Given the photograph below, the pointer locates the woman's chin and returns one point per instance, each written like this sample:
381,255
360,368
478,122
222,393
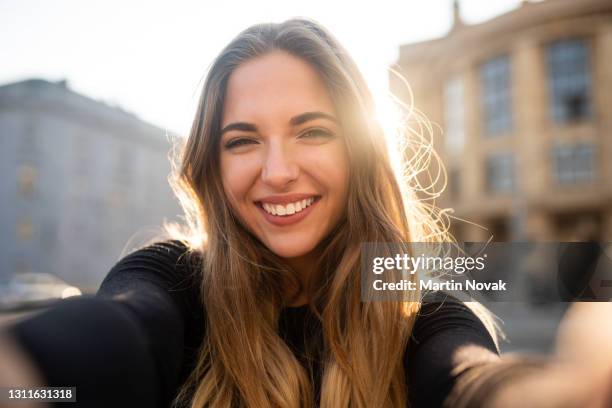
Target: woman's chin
288,250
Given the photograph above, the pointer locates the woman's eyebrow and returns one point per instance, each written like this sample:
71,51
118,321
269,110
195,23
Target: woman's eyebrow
295,121
246,127
305,117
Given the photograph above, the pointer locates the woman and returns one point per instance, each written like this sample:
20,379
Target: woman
283,177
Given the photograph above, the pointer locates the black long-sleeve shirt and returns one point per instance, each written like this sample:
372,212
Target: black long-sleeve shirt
136,341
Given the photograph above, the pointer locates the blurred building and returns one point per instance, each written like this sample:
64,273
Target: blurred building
524,101
79,179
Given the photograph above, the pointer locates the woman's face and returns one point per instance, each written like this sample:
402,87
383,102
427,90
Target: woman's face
284,164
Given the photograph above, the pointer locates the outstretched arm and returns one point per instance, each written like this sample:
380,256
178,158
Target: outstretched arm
452,361
123,347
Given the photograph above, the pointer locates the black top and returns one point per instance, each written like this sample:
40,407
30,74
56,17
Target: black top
135,342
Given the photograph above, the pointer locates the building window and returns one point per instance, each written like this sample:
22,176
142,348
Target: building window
568,72
454,114
24,229
454,180
496,100
574,163
500,173
26,176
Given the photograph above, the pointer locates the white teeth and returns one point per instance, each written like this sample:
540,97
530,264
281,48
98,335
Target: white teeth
269,208
288,209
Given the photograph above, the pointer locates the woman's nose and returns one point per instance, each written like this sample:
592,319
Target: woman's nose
279,167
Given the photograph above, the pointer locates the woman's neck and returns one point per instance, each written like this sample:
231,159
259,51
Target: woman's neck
304,267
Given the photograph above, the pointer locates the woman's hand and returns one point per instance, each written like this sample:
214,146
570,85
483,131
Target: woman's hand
584,343
579,373
17,370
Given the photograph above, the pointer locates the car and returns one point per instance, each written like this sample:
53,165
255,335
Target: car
34,289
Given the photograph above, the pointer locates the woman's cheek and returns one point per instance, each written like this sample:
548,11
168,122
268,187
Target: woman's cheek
334,165
238,176
326,158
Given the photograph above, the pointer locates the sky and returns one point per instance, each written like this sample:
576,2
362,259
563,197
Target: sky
150,57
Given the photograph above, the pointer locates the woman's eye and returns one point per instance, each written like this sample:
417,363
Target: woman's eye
312,133
239,142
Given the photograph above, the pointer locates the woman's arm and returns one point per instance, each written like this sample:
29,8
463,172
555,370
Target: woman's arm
94,345
434,362
123,347
577,374
17,368
452,362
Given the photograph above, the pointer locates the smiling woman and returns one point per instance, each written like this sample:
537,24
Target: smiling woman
256,303
292,174
284,162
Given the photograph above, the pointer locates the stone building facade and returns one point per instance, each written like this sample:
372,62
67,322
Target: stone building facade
525,104
80,181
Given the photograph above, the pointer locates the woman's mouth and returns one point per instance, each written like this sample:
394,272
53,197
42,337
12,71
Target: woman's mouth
289,209
289,213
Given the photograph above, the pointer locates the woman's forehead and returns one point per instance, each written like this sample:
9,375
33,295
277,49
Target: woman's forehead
275,85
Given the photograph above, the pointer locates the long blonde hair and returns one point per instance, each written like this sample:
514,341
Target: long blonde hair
243,360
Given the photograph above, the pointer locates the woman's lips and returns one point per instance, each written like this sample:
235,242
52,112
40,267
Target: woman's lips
283,220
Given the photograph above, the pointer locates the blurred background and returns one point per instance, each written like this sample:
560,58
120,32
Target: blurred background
92,94
524,102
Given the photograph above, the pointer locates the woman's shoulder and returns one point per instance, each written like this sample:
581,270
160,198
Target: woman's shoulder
446,315
170,264
170,251
448,337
